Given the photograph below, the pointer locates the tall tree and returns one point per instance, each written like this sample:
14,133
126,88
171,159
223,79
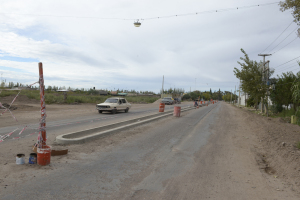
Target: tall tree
251,77
294,5
219,95
296,90
282,95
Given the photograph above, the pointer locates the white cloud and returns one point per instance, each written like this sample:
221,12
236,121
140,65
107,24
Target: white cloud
88,52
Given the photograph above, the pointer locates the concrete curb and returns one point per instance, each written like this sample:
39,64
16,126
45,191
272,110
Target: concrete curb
91,134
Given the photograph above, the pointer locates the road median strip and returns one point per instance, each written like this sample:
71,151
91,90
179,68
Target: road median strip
98,132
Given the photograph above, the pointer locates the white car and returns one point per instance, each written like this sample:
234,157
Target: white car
113,105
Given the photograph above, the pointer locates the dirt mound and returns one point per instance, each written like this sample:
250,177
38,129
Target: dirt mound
280,153
281,120
157,101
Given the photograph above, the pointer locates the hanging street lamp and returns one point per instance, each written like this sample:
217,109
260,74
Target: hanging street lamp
137,23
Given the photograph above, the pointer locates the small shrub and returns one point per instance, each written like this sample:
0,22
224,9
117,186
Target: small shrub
277,108
250,102
186,97
6,93
286,113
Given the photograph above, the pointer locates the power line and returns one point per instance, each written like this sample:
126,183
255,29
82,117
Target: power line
283,39
290,64
150,18
287,62
289,68
279,35
285,45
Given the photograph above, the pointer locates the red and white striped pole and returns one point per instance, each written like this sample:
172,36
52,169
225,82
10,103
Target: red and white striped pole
42,135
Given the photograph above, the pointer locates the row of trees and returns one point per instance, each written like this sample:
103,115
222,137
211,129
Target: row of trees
283,90
11,84
206,95
172,91
54,88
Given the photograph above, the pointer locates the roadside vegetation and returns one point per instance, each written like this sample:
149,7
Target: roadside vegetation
54,97
206,95
283,91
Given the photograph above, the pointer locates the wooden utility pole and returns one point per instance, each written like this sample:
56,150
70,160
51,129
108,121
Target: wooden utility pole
240,93
263,75
267,80
163,85
235,94
231,97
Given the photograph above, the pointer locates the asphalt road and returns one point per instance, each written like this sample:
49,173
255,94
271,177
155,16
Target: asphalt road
139,168
82,122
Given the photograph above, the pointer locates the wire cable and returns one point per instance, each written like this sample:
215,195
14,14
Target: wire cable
285,45
289,68
279,36
284,67
284,39
287,62
150,18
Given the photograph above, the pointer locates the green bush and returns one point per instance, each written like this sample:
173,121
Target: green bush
32,94
277,108
287,113
50,99
250,102
186,97
6,93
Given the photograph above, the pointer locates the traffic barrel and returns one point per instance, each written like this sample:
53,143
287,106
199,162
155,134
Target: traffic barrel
177,110
44,155
161,107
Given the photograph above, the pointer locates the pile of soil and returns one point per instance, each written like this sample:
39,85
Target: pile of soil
280,155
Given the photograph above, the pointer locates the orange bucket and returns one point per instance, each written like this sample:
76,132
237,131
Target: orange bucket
44,155
177,110
161,107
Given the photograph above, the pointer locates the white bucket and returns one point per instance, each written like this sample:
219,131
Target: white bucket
20,159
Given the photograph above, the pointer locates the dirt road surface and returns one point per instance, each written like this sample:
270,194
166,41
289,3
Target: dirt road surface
215,152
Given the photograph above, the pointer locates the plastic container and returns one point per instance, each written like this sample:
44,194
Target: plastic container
20,159
44,155
177,110
32,158
161,107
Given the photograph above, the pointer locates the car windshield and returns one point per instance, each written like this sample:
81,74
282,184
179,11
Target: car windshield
167,98
111,101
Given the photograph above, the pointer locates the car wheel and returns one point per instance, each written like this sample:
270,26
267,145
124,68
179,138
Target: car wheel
100,111
114,111
126,110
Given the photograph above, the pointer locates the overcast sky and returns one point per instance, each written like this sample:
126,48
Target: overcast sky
85,44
